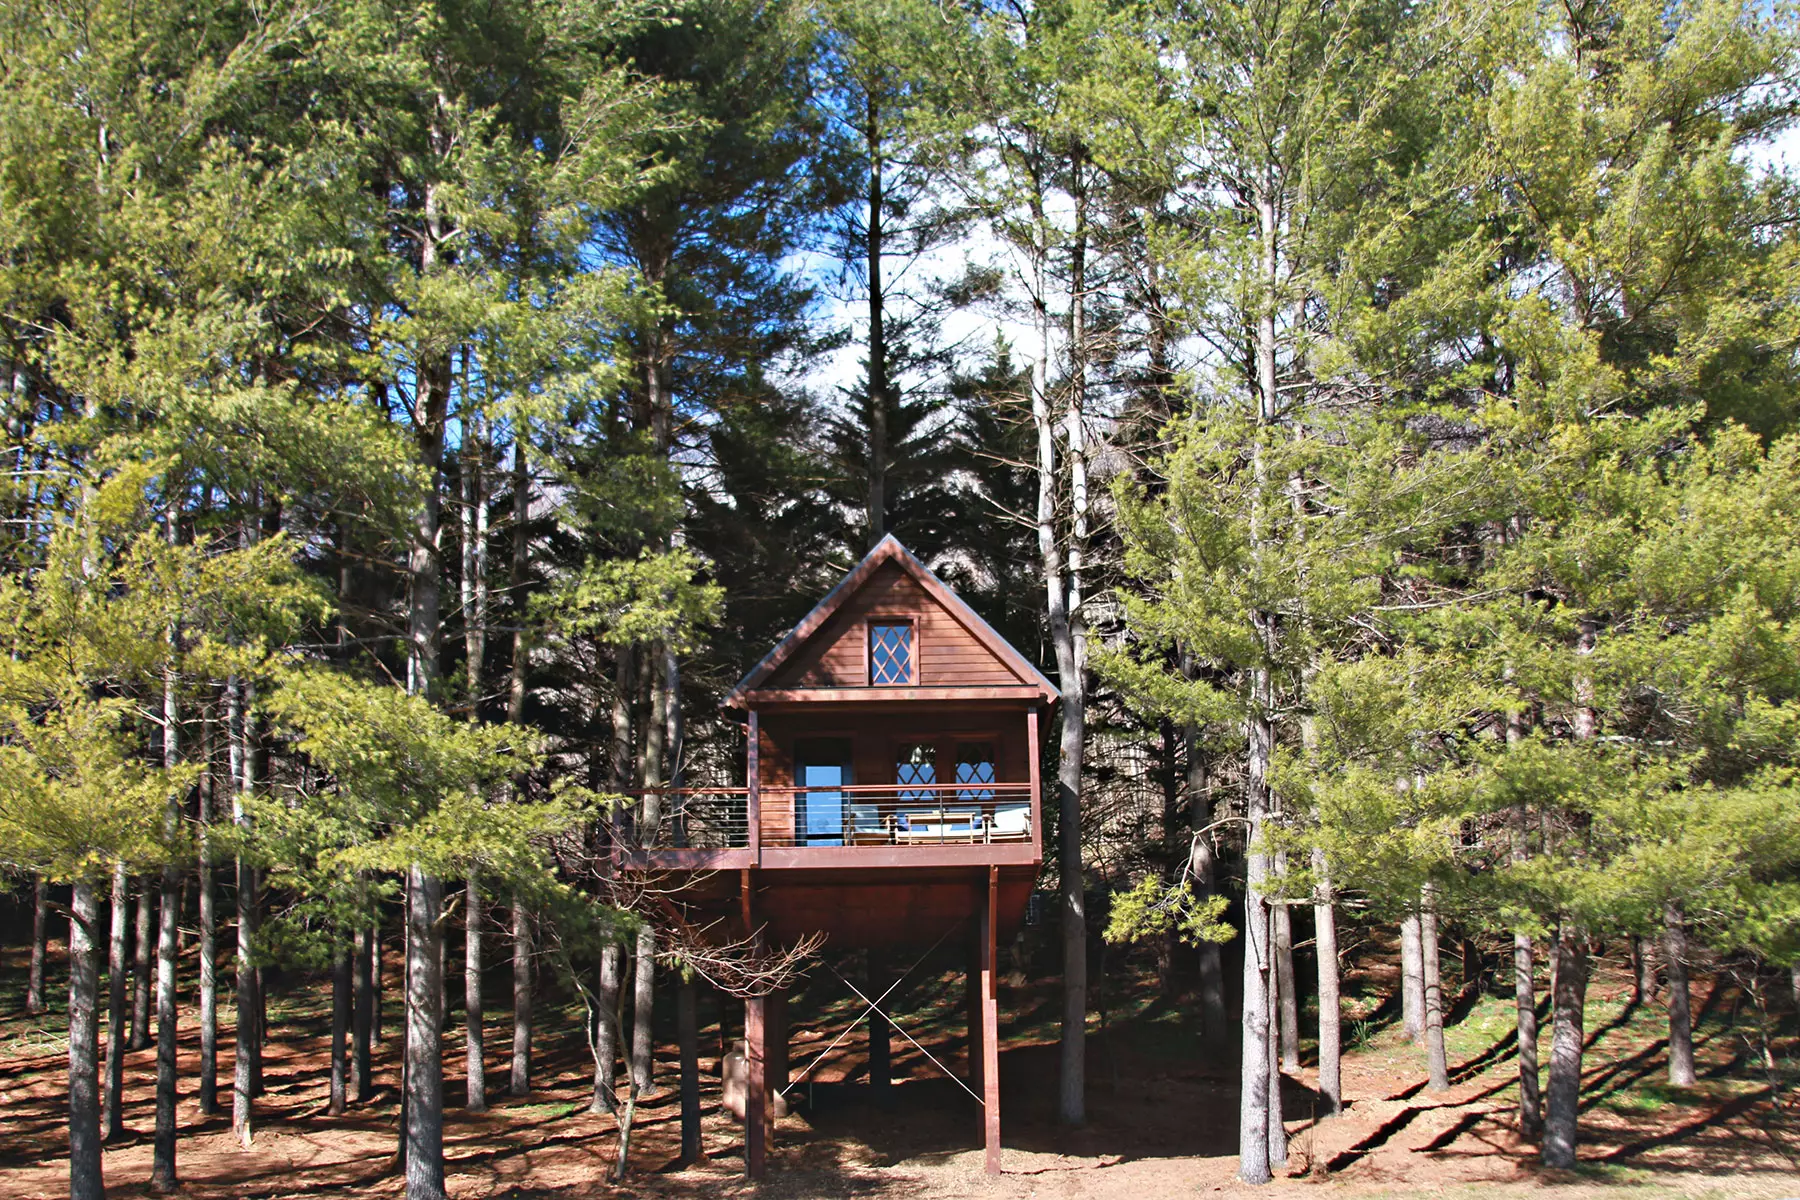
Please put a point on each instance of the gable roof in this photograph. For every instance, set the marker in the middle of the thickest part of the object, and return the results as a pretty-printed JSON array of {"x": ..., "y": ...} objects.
[{"x": 889, "y": 550}]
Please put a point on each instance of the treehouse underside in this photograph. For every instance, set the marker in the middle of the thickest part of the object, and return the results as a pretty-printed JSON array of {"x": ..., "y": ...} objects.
[{"x": 857, "y": 907}]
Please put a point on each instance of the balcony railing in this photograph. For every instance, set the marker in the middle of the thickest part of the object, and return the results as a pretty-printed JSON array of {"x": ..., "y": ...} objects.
[
  {"x": 928, "y": 814},
  {"x": 911, "y": 814}
]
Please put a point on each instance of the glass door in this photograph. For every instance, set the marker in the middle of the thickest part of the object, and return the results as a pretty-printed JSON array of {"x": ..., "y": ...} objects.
[{"x": 822, "y": 770}]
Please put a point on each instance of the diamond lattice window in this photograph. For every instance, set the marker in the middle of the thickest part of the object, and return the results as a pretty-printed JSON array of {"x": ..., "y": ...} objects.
[
  {"x": 917, "y": 767},
  {"x": 890, "y": 654},
  {"x": 975, "y": 765}
]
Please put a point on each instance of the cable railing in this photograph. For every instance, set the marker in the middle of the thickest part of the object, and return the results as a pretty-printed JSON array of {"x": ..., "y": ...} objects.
[
  {"x": 913, "y": 814},
  {"x": 701, "y": 818}
]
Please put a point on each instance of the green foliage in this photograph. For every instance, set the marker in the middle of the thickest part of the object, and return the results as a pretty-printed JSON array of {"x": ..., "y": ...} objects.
[
  {"x": 1154, "y": 909},
  {"x": 654, "y": 598},
  {"x": 75, "y": 794}
]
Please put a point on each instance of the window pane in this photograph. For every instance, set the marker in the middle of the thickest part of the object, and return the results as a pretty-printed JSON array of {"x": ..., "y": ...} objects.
[
  {"x": 890, "y": 654},
  {"x": 917, "y": 764},
  {"x": 975, "y": 765}
]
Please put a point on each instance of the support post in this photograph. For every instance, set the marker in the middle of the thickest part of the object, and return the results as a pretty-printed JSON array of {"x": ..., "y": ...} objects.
[
  {"x": 880, "y": 1053},
  {"x": 973, "y": 1008},
  {"x": 990, "y": 1025},
  {"x": 776, "y": 1032},
  {"x": 1033, "y": 752},
  {"x": 753, "y": 789},
  {"x": 756, "y": 1087},
  {"x": 688, "y": 1034}
]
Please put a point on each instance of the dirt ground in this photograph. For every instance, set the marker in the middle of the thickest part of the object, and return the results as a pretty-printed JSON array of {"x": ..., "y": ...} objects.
[{"x": 1162, "y": 1111}]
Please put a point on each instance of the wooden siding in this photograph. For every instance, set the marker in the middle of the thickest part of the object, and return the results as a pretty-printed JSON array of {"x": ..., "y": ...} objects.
[{"x": 948, "y": 654}]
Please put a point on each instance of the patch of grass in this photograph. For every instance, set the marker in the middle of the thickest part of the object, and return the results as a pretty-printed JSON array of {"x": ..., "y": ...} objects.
[
  {"x": 1485, "y": 1026},
  {"x": 34, "y": 1040},
  {"x": 547, "y": 1112}
]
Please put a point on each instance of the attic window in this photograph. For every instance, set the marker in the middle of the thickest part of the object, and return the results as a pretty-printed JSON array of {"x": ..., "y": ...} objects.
[{"x": 890, "y": 653}]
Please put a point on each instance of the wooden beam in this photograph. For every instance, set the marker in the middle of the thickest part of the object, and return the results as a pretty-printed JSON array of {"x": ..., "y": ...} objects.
[
  {"x": 880, "y": 1051},
  {"x": 922, "y": 856},
  {"x": 689, "y": 859},
  {"x": 776, "y": 1036},
  {"x": 990, "y": 1025},
  {"x": 1034, "y": 754},
  {"x": 888, "y": 695},
  {"x": 756, "y": 1087},
  {"x": 753, "y": 786},
  {"x": 687, "y": 1023},
  {"x": 972, "y": 991}
]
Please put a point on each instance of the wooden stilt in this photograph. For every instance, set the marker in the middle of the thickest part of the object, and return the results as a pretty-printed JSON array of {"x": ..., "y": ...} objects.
[
  {"x": 776, "y": 1036},
  {"x": 972, "y": 1009},
  {"x": 990, "y": 1025},
  {"x": 756, "y": 1087},
  {"x": 688, "y": 1033},
  {"x": 880, "y": 1052}
]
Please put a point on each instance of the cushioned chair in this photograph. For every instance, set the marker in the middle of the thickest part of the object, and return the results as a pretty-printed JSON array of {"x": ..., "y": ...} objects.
[
  {"x": 1010, "y": 822},
  {"x": 940, "y": 825}
]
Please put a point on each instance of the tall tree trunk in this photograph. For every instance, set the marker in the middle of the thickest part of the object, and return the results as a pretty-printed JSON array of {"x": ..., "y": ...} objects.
[
  {"x": 1278, "y": 1143},
  {"x": 1643, "y": 971},
  {"x": 474, "y": 581},
  {"x": 520, "y": 1081},
  {"x": 424, "y": 1085},
  {"x": 1073, "y": 1090},
  {"x": 443, "y": 948},
  {"x": 606, "y": 1030},
  {"x": 1681, "y": 1029},
  {"x": 650, "y": 815},
  {"x": 341, "y": 1002},
  {"x": 521, "y": 1041},
  {"x": 1564, "y": 1093},
  {"x": 1531, "y": 1112},
  {"x": 1289, "y": 1008},
  {"x": 168, "y": 951},
  {"x": 244, "y": 1068},
  {"x": 878, "y": 364},
  {"x": 1331, "y": 1077},
  {"x": 142, "y": 944},
  {"x": 364, "y": 1020},
  {"x": 168, "y": 946},
  {"x": 1431, "y": 970},
  {"x": 85, "y": 1180},
  {"x": 1412, "y": 977},
  {"x": 473, "y": 1066},
  {"x": 1258, "y": 1083},
  {"x": 643, "y": 1044},
  {"x": 1258, "y": 1099},
  {"x": 376, "y": 976},
  {"x": 209, "y": 940},
  {"x": 519, "y": 574},
  {"x": 40, "y": 913},
  {"x": 422, "y": 1139},
  {"x": 116, "y": 971}
]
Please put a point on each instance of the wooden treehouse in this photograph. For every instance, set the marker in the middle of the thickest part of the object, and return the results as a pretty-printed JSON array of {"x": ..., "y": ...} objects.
[{"x": 891, "y": 803}]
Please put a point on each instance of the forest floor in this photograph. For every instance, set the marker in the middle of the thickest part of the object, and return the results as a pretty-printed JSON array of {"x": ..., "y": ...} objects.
[{"x": 1162, "y": 1109}]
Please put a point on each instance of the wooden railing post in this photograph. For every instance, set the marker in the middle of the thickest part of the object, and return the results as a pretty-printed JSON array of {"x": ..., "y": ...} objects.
[
  {"x": 1033, "y": 753},
  {"x": 753, "y": 794},
  {"x": 990, "y": 1022}
]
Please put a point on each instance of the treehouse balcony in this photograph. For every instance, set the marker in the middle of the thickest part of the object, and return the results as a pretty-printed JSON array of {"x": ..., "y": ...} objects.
[{"x": 862, "y": 825}]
